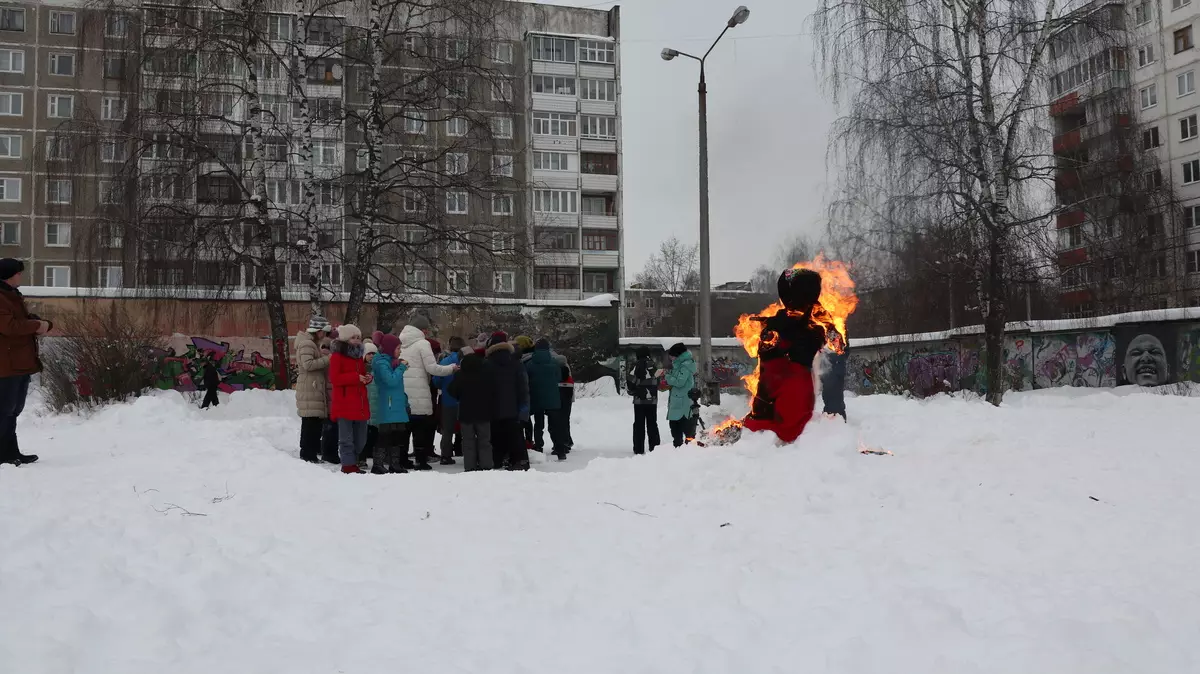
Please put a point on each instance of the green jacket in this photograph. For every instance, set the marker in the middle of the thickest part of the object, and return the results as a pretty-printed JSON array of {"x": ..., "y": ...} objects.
[
  {"x": 681, "y": 379},
  {"x": 544, "y": 375}
]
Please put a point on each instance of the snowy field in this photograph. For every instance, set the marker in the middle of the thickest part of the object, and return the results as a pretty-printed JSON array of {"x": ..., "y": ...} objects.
[{"x": 1055, "y": 535}]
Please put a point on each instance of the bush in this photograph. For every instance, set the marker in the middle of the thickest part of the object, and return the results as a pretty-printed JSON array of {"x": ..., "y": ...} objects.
[{"x": 111, "y": 358}]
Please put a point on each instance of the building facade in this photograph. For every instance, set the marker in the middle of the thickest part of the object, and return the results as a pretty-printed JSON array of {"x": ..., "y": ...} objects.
[{"x": 129, "y": 132}]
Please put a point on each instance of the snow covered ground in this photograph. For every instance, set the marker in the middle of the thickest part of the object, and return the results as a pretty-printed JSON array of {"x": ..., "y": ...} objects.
[{"x": 1057, "y": 534}]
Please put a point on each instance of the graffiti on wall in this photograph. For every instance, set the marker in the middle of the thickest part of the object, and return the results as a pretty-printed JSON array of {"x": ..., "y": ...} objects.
[
  {"x": 1189, "y": 353},
  {"x": 1082, "y": 359},
  {"x": 181, "y": 366},
  {"x": 1018, "y": 363},
  {"x": 729, "y": 371}
]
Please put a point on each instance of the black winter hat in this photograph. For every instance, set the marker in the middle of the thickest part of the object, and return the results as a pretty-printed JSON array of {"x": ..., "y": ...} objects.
[
  {"x": 10, "y": 268},
  {"x": 642, "y": 352},
  {"x": 677, "y": 350},
  {"x": 542, "y": 344},
  {"x": 799, "y": 289}
]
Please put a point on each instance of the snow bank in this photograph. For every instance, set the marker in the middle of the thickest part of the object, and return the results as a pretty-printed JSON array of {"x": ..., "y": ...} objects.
[{"x": 1054, "y": 534}]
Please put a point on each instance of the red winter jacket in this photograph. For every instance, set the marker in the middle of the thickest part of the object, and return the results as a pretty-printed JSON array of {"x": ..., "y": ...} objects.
[{"x": 349, "y": 399}]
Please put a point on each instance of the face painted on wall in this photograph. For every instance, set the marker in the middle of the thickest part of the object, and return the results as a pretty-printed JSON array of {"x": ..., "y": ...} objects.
[{"x": 1146, "y": 361}]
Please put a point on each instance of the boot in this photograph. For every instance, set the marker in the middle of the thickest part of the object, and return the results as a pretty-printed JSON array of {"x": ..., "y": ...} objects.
[
  {"x": 447, "y": 461},
  {"x": 311, "y": 458},
  {"x": 350, "y": 469},
  {"x": 424, "y": 465},
  {"x": 398, "y": 470},
  {"x": 378, "y": 470},
  {"x": 332, "y": 459}
]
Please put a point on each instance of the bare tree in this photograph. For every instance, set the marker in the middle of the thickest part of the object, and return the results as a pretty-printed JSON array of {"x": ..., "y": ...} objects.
[{"x": 672, "y": 268}]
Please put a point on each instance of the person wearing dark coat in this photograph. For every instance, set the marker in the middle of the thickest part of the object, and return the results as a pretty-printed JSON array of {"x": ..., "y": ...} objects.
[
  {"x": 212, "y": 383},
  {"x": 833, "y": 379},
  {"x": 545, "y": 374},
  {"x": 509, "y": 401},
  {"x": 474, "y": 387},
  {"x": 19, "y": 360},
  {"x": 642, "y": 383}
]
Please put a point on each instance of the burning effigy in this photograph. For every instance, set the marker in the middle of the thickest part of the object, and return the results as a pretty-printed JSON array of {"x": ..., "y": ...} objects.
[{"x": 816, "y": 298}]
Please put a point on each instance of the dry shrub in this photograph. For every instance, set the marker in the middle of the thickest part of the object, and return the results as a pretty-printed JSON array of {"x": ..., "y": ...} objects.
[{"x": 111, "y": 357}]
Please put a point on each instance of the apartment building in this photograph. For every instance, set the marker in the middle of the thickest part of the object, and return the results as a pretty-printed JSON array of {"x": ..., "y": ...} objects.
[
  {"x": 650, "y": 312},
  {"x": 124, "y": 135},
  {"x": 1124, "y": 111}
]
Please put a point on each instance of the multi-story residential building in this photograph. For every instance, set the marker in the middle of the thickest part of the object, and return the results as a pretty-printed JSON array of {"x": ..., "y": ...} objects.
[
  {"x": 1124, "y": 109},
  {"x": 650, "y": 312},
  {"x": 127, "y": 146}
]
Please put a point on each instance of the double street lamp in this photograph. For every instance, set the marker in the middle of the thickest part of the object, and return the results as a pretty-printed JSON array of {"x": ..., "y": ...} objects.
[{"x": 711, "y": 389}]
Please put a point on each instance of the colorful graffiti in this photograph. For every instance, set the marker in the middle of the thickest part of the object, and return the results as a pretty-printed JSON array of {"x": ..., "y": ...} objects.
[
  {"x": 1189, "y": 353},
  {"x": 239, "y": 369},
  {"x": 1085, "y": 359},
  {"x": 729, "y": 371},
  {"x": 1018, "y": 363}
]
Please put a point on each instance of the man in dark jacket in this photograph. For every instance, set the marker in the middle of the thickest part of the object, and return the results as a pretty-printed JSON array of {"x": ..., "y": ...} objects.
[
  {"x": 212, "y": 382},
  {"x": 510, "y": 400},
  {"x": 642, "y": 383},
  {"x": 545, "y": 373},
  {"x": 19, "y": 361},
  {"x": 474, "y": 387}
]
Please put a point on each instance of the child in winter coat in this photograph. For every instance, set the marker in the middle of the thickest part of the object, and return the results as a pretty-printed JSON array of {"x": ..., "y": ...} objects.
[
  {"x": 681, "y": 379},
  {"x": 642, "y": 383},
  {"x": 788, "y": 342},
  {"x": 448, "y": 404},
  {"x": 417, "y": 352},
  {"x": 350, "y": 407},
  {"x": 390, "y": 409},
  {"x": 473, "y": 387}
]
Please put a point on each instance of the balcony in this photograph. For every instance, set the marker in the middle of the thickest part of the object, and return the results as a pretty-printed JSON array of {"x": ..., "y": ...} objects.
[
  {"x": 602, "y": 259},
  {"x": 598, "y": 182},
  {"x": 1068, "y": 141},
  {"x": 1069, "y": 219},
  {"x": 1072, "y": 258},
  {"x": 600, "y": 221},
  {"x": 556, "y": 258},
  {"x": 1066, "y": 180},
  {"x": 1065, "y": 105}
]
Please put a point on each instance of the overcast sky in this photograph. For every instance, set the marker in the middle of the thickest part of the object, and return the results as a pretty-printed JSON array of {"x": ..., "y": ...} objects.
[{"x": 767, "y": 125}]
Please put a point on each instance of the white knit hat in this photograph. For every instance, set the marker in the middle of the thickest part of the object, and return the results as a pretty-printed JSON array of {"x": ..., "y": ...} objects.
[
  {"x": 348, "y": 332},
  {"x": 369, "y": 348}
]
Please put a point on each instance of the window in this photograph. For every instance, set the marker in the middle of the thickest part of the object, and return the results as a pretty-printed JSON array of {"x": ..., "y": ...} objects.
[
  {"x": 11, "y": 104},
  {"x": 550, "y": 84},
  {"x": 502, "y": 90},
  {"x": 1187, "y": 127},
  {"x": 279, "y": 27},
  {"x": 457, "y": 126},
  {"x": 599, "y": 240},
  {"x": 60, "y": 107},
  {"x": 12, "y": 19},
  {"x": 1145, "y": 55},
  {"x": 502, "y": 204},
  {"x": 504, "y": 282},
  {"x": 58, "y": 191},
  {"x": 218, "y": 105},
  {"x": 458, "y": 87},
  {"x": 458, "y": 244},
  {"x": 62, "y": 23},
  {"x": 1191, "y": 171},
  {"x": 411, "y": 202},
  {"x": 455, "y": 50},
  {"x": 596, "y": 51},
  {"x": 556, "y": 240},
  {"x": 551, "y": 161},
  {"x": 1149, "y": 96},
  {"x": 555, "y": 201},
  {"x": 417, "y": 279},
  {"x": 457, "y": 163},
  {"x": 57, "y": 277},
  {"x": 62, "y": 64},
  {"x": 110, "y": 192},
  {"x": 554, "y": 124},
  {"x": 554, "y": 278},
  {"x": 1186, "y": 83},
  {"x": 502, "y": 127},
  {"x": 596, "y": 282},
  {"x": 504, "y": 242},
  {"x": 502, "y": 52},
  {"x": 630, "y": 323},
  {"x": 1158, "y": 266},
  {"x": 414, "y": 122},
  {"x": 502, "y": 165},
  {"x": 58, "y": 147},
  {"x": 598, "y": 127},
  {"x": 458, "y": 280},
  {"x": 1142, "y": 12},
  {"x": 1176, "y": 4},
  {"x": 10, "y": 146},
  {"x": 1150, "y": 138},
  {"x": 116, "y": 25},
  {"x": 598, "y": 90},
  {"x": 109, "y": 277},
  {"x": 12, "y": 61},
  {"x": 1193, "y": 261},
  {"x": 595, "y": 163},
  {"x": 598, "y": 206},
  {"x": 10, "y": 233},
  {"x": 552, "y": 49},
  {"x": 1152, "y": 179},
  {"x": 456, "y": 202},
  {"x": 58, "y": 234},
  {"x": 1191, "y": 216},
  {"x": 114, "y": 67},
  {"x": 1183, "y": 39},
  {"x": 325, "y": 152},
  {"x": 10, "y": 189},
  {"x": 1154, "y": 225}
]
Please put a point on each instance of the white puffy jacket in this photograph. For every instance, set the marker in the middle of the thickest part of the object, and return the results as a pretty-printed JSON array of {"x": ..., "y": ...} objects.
[{"x": 415, "y": 349}]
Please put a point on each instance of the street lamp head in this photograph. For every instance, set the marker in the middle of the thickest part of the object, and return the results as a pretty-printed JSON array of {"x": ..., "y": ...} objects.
[
  {"x": 739, "y": 16},
  {"x": 668, "y": 54}
]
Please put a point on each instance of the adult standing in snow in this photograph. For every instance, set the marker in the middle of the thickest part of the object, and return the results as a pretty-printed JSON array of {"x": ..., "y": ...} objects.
[
  {"x": 212, "y": 383},
  {"x": 19, "y": 360},
  {"x": 416, "y": 351},
  {"x": 449, "y": 404},
  {"x": 474, "y": 387},
  {"x": 642, "y": 383},
  {"x": 350, "y": 407},
  {"x": 681, "y": 379},
  {"x": 312, "y": 381},
  {"x": 545, "y": 373},
  {"x": 329, "y": 431},
  {"x": 390, "y": 408},
  {"x": 510, "y": 401},
  {"x": 833, "y": 378}
]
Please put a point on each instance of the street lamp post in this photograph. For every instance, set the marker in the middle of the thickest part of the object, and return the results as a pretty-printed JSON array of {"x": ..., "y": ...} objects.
[{"x": 710, "y": 388}]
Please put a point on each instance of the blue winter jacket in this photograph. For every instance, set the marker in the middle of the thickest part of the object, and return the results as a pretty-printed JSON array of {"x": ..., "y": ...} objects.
[
  {"x": 443, "y": 383},
  {"x": 389, "y": 384},
  {"x": 682, "y": 379}
]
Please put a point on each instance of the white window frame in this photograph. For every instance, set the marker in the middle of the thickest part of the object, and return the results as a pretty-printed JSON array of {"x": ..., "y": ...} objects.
[
  {"x": 502, "y": 52},
  {"x": 502, "y": 127},
  {"x": 598, "y": 90},
  {"x": 1188, "y": 127},
  {"x": 109, "y": 151},
  {"x": 16, "y": 61},
  {"x": 1191, "y": 171},
  {"x": 10, "y": 190},
  {"x": 54, "y": 106},
  {"x": 104, "y": 276},
  {"x": 564, "y": 202},
  {"x": 55, "y": 62},
  {"x": 60, "y": 182},
  {"x": 16, "y": 11},
  {"x": 111, "y": 20},
  {"x": 458, "y": 245},
  {"x": 11, "y": 97},
  {"x": 1149, "y": 96},
  {"x": 458, "y": 163},
  {"x": 108, "y": 193},
  {"x": 1192, "y": 261},
  {"x": 545, "y": 161},
  {"x": 56, "y": 18},
  {"x": 62, "y": 234},
  {"x": 547, "y": 123},
  {"x": 1191, "y": 216},
  {"x": 1146, "y": 55},
  {"x": 13, "y": 227},
  {"x": 504, "y": 241},
  {"x": 50, "y": 276},
  {"x": 535, "y": 49},
  {"x": 417, "y": 279},
  {"x": 459, "y": 86},
  {"x": 591, "y": 126},
  {"x": 113, "y": 104},
  {"x": 458, "y": 280},
  {"x": 1143, "y": 12},
  {"x": 458, "y": 126},
  {"x": 325, "y": 152},
  {"x": 461, "y": 202},
  {"x": 411, "y": 202},
  {"x": 502, "y": 91},
  {"x": 1151, "y": 133},
  {"x": 58, "y": 147},
  {"x": 499, "y": 199},
  {"x": 7, "y": 143},
  {"x": 504, "y": 282},
  {"x": 415, "y": 123},
  {"x": 1185, "y": 83},
  {"x": 597, "y": 51},
  {"x": 502, "y": 165},
  {"x": 554, "y": 82}
]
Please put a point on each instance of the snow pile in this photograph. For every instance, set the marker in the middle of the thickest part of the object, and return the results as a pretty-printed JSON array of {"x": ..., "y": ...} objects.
[{"x": 1056, "y": 534}]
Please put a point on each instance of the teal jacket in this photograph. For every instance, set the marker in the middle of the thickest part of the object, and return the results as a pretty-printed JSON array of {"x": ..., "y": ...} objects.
[
  {"x": 544, "y": 375},
  {"x": 389, "y": 404},
  {"x": 681, "y": 379}
]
